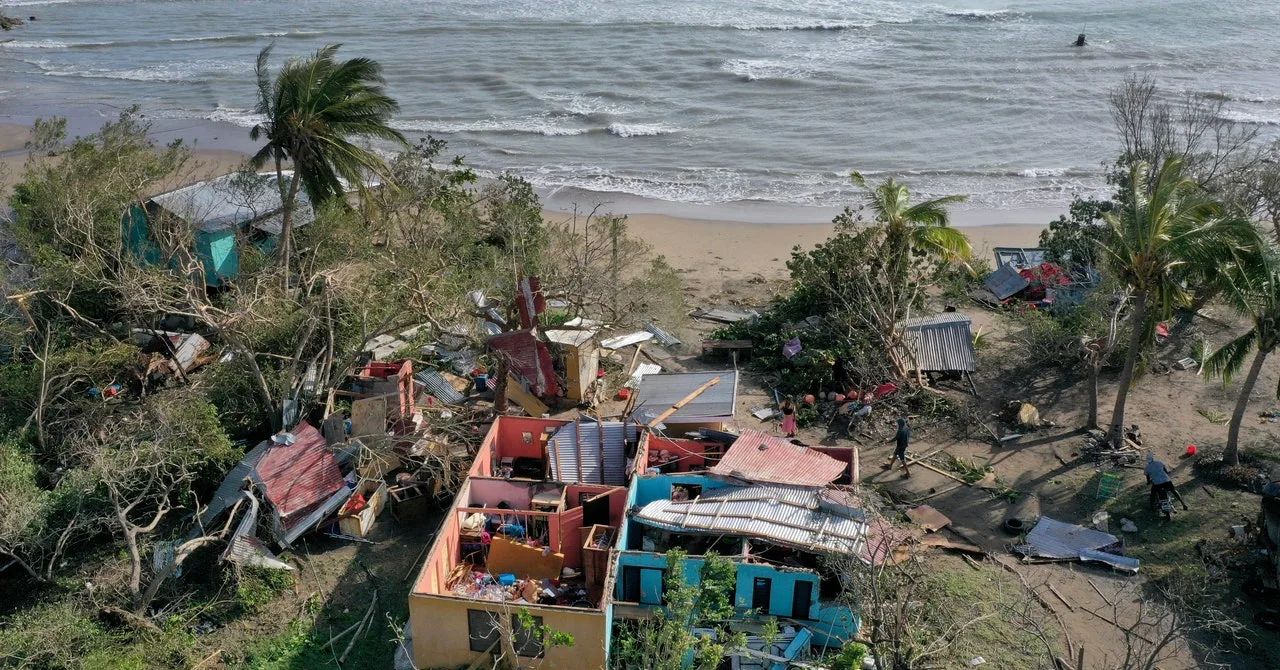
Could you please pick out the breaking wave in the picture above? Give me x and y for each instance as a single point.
(639, 129)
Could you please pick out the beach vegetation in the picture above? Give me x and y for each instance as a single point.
(1165, 234)
(315, 110)
(1254, 290)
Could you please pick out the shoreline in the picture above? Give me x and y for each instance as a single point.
(710, 244)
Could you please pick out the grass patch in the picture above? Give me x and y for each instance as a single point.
(1000, 639)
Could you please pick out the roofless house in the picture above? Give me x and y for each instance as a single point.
(216, 219)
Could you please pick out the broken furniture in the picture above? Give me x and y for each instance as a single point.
(357, 515)
(712, 349)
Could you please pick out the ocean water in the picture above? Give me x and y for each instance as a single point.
(708, 102)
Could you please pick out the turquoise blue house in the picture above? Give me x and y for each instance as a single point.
(224, 214)
(775, 533)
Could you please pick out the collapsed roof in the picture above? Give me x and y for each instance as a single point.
(810, 519)
(756, 457)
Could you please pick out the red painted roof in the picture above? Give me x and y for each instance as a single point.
(530, 360)
(299, 475)
(778, 462)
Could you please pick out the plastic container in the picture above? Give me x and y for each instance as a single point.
(482, 383)
(506, 579)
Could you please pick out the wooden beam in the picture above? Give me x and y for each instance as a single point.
(683, 401)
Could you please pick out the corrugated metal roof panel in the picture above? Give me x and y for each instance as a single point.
(627, 339)
(663, 337)
(1056, 539)
(439, 387)
(757, 457)
(530, 360)
(231, 200)
(575, 453)
(788, 515)
(572, 338)
(658, 392)
(300, 475)
(1005, 282)
(229, 490)
(942, 342)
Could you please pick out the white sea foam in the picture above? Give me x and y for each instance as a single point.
(985, 14)
(178, 71)
(1266, 118)
(754, 69)
(585, 105)
(639, 129)
(537, 125)
(1037, 173)
(51, 44)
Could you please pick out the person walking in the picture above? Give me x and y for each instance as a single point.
(903, 439)
(788, 417)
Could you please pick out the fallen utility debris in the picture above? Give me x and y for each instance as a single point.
(724, 315)
(928, 518)
(1057, 539)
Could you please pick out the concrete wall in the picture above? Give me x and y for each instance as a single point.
(441, 637)
(784, 581)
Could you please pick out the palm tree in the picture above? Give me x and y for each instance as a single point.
(311, 112)
(1155, 240)
(1254, 289)
(922, 227)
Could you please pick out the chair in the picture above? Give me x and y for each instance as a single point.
(1109, 485)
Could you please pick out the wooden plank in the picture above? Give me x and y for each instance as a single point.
(522, 560)
(1059, 596)
(369, 417)
(683, 401)
(928, 518)
(527, 401)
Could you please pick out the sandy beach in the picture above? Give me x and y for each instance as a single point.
(710, 245)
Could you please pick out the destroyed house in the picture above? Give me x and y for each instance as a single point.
(220, 214)
(532, 528)
(776, 533)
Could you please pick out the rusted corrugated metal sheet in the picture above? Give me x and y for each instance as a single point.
(756, 457)
(788, 515)
(530, 301)
(530, 360)
(300, 475)
(940, 343)
(575, 453)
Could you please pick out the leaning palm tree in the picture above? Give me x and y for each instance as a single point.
(312, 111)
(1152, 243)
(921, 227)
(1254, 289)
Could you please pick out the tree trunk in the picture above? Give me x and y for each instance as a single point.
(181, 555)
(135, 558)
(1092, 421)
(1116, 433)
(286, 216)
(1232, 453)
(17, 560)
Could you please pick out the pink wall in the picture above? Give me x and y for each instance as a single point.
(506, 438)
(490, 492)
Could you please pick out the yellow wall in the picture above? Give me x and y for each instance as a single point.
(441, 638)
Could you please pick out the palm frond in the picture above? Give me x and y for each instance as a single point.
(946, 242)
(1227, 361)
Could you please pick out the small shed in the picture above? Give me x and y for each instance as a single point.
(221, 213)
(577, 348)
(714, 408)
(940, 343)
